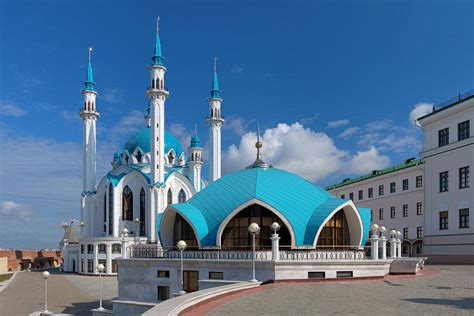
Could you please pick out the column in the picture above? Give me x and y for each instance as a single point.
(383, 239)
(399, 247)
(275, 247)
(393, 247)
(374, 242)
(96, 258)
(108, 260)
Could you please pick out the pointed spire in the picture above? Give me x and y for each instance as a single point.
(157, 57)
(89, 83)
(259, 163)
(215, 92)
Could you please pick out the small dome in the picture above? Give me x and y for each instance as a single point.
(142, 141)
(195, 141)
(117, 156)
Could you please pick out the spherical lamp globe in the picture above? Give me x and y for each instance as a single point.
(181, 245)
(374, 227)
(254, 228)
(100, 268)
(45, 274)
(382, 229)
(275, 226)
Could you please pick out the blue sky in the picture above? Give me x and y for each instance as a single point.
(333, 85)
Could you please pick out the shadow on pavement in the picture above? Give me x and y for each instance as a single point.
(462, 303)
(84, 308)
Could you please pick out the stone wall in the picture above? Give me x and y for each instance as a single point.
(22, 259)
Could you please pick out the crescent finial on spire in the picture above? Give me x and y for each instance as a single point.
(158, 25)
(215, 64)
(90, 54)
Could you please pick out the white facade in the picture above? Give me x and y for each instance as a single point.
(450, 240)
(400, 210)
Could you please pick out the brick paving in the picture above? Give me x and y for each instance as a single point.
(448, 292)
(67, 293)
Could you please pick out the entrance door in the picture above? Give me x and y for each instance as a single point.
(73, 265)
(191, 283)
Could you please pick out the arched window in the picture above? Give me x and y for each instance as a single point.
(142, 212)
(127, 204)
(236, 235)
(170, 157)
(126, 159)
(183, 231)
(139, 156)
(111, 209)
(335, 233)
(105, 212)
(181, 196)
(152, 84)
(170, 197)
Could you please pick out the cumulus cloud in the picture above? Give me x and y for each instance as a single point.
(366, 161)
(349, 132)
(10, 109)
(16, 211)
(236, 124)
(337, 123)
(127, 125)
(419, 110)
(180, 131)
(310, 154)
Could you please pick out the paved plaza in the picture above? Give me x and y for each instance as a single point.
(67, 293)
(448, 291)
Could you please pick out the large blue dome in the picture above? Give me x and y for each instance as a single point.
(142, 141)
(304, 205)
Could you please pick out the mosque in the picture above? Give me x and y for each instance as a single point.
(151, 172)
(166, 231)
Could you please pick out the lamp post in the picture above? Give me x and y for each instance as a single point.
(383, 239)
(399, 244)
(275, 241)
(100, 269)
(45, 277)
(254, 229)
(137, 235)
(393, 244)
(82, 225)
(65, 226)
(66, 256)
(182, 246)
(374, 242)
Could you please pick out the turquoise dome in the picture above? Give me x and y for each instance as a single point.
(195, 141)
(142, 141)
(304, 205)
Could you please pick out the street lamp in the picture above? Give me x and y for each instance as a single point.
(254, 229)
(45, 277)
(65, 226)
(82, 225)
(100, 269)
(182, 246)
(137, 222)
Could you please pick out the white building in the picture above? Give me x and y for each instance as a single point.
(151, 172)
(395, 197)
(448, 157)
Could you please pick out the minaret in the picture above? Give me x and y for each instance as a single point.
(157, 95)
(215, 121)
(89, 117)
(195, 161)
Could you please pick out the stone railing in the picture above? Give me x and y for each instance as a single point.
(322, 255)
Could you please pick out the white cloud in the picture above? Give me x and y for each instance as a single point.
(16, 211)
(419, 110)
(309, 120)
(237, 69)
(10, 109)
(366, 161)
(112, 95)
(337, 123)
(349, 132)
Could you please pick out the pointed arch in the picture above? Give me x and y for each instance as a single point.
(182, 196)
(127, 204)
(111, 209)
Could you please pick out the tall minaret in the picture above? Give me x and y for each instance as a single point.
(89, 117)
(215, 121)
(157, 94)
(195, 161)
